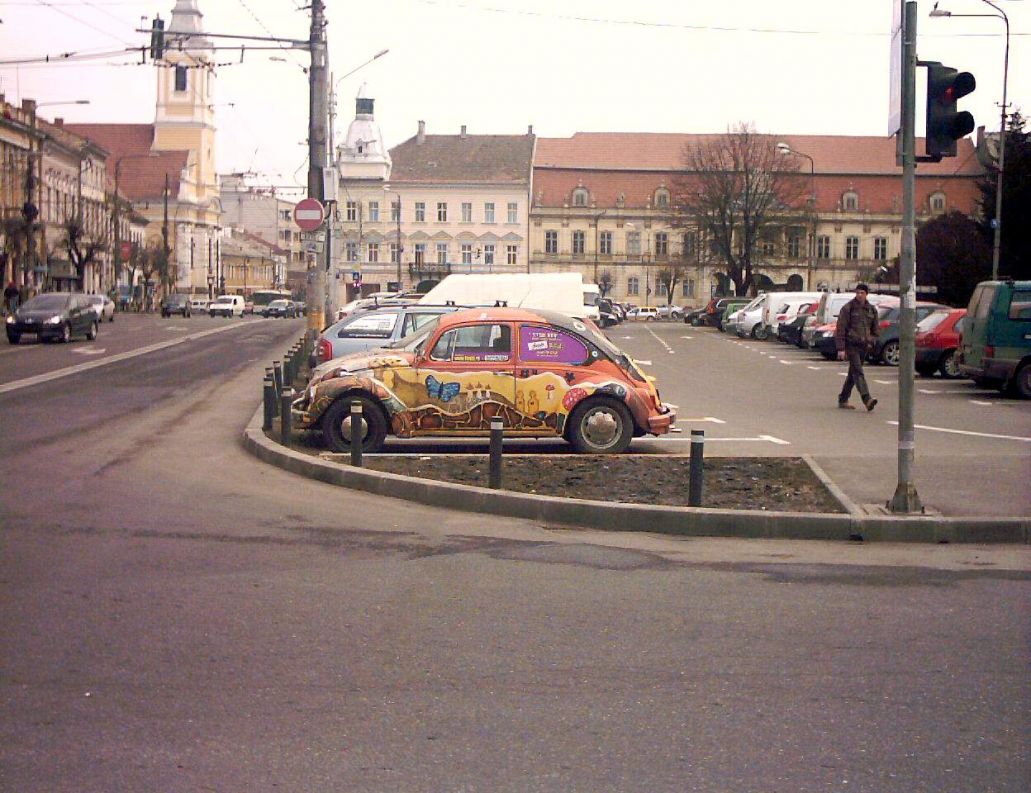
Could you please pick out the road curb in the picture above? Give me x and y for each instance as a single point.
(617, 516)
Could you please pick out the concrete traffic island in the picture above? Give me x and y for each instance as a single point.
(851, 524)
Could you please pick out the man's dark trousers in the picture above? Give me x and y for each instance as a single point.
(855, 354)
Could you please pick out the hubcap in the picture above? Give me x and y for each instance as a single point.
(601, 428)
(891, 355)
(345, 429)
(951, 366)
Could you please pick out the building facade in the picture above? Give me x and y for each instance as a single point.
(607, 205)
(249, 263)
(433, 205)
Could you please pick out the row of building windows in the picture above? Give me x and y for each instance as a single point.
(487, 253)
(353, 208)
(633, 287)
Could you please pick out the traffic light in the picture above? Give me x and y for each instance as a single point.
(157, 39)
(946, 125)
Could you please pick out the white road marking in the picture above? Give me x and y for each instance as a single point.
(15, 385)
(842, 374)
(643, 363)
(788, 363)
(710, 419)
(89, 351)
(709, 439)
(980, 402)
(928, 391)
(176, 328)
(886, 382)
(660, 341)
(687, 337)
(968, 432)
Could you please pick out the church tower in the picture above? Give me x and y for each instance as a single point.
(185, 117)
(363, 155)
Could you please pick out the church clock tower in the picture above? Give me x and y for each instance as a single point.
(185, 117)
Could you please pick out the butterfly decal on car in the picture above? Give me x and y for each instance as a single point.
(445, 392)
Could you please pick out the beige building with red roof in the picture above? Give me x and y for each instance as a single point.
(605, 204)
(432, 205)
(167, 169)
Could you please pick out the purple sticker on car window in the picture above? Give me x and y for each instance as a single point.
(550, 345)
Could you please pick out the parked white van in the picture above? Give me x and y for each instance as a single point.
(748, 321)
(226, 306)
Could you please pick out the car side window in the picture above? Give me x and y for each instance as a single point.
(413, 321)
(1020, 304)
(369, 326)
(475, 344)
(958, 327)
(548, 344)
(984, 302)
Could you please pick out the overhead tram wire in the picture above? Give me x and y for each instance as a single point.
(56, 8)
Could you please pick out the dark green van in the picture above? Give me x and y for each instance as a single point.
(996, 345)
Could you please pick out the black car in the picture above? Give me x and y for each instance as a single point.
(175, 304)
(281, 308)
(54, 316)
(791, 332)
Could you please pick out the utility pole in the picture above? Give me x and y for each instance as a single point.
(906, 500)
(318, 115)
(164, 231)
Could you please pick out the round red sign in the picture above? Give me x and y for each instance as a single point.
(309, 214)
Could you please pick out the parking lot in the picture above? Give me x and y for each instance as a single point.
(768, 398)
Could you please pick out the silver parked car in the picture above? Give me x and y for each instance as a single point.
(378, 328)
(103, 306)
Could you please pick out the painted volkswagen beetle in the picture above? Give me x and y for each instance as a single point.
(541, 373)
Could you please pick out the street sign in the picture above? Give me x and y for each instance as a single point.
(309, 214)
(895, 69)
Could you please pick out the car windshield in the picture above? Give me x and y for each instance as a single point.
(47, 303)
(931, 321)
(279, 303)
(414, 340)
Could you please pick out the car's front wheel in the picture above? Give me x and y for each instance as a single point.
(91, 333)
(66, 333)
(1022, 382)
(337, 425)
(949, 365)
(13, 338)
(601, 426)
(890, 354)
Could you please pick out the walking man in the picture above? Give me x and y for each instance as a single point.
(854, 337)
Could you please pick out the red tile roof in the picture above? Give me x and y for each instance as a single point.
(838, 154)
(463, 158)
(637, 164)
(142, 172)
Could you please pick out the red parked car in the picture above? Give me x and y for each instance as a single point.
(937, 339)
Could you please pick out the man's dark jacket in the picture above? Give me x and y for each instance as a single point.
(857, 326)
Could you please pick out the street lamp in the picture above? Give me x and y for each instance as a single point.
(400, 247)
(1000, 14)
(785, 149)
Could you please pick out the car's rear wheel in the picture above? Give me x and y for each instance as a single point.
(949, 365)
(66, 333)
(601, 426)
(336, 425)
(890, 353)
(91, 333)
(1022, 381)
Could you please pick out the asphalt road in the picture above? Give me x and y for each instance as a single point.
(177, 616)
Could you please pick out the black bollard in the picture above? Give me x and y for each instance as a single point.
(284, 416)
(277, 376)
(694, 497)
(288, 369)
(355, 434)
(268, 392)
(497, 434)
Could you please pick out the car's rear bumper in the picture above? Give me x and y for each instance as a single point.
(993, 370)
(925, 356)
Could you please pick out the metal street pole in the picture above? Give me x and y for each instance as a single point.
(906, 499)
(318, 116)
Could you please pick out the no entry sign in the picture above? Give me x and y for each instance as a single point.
(309, 214)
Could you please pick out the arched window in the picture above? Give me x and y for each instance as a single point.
(850, 201)
(662, 198)
(937, 202)
(580, 197)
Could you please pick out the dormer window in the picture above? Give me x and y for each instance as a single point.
(850, 201)
(937, 202)
(580, 197)
(662, 198)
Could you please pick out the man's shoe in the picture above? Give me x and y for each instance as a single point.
(846, 406)
(870, 403)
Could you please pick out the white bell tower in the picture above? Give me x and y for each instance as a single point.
(363, 155)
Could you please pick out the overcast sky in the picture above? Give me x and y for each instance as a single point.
(794, 66)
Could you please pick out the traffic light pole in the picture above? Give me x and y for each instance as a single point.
(906, 500)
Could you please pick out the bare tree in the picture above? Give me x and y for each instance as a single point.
(605, 282)
(734, 184)
(153, 261)
(82, 247)
(17, 233)
(134, 267)
(669, 277)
